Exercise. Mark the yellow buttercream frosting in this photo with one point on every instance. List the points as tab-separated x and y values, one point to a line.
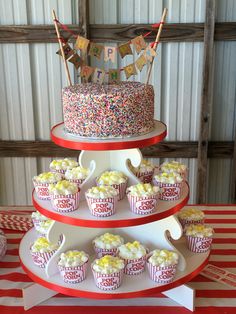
63	187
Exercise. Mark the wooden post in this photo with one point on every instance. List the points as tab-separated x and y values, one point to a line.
83	6
206	102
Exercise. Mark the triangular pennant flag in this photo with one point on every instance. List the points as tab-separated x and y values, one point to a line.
68	51
140	62
95	50
81	44
139	43
114	75
109	54
86	72
130	70
124	50
98	76
76	60
149	53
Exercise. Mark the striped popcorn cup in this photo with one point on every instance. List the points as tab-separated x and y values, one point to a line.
37	222
186	222
65	203
168	191
73	274
145	177
102	207
41	190
41	259
61	171
162	275
135	266
142	205
108	282
199	245
121	188
77	181
102	252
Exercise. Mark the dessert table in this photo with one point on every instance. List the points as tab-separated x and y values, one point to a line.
211	296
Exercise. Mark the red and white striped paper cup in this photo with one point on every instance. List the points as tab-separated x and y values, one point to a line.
102	252
145	177
186	222
199	245
77	181
134	266
3	244
60	171
168	191
73	274
121	188
42	190
108	282
102	207
65	203
142	205
162	275
41	259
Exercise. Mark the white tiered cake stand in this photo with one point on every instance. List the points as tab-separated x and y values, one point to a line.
79	228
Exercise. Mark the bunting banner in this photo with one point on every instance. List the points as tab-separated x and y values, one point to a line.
114	76
139	43
68	51
86	72
76	60
109	53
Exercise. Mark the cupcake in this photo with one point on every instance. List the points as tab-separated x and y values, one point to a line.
144	171
42	181
117	179
188	216
199	237
61	165
142	198
170	185
162	265
64	196
107	244
41	251
3	244
72	266
42	229
102	200
37	219
174	166
134	255
108	272
77	175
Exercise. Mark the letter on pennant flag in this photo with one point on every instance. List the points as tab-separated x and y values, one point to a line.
95	50
130	70
86	72
149	53
76	60
81	44
98	76
140	62
124	50
109	54
114	75
68	51
139	43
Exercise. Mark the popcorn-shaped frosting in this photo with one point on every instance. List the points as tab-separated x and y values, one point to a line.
47	177
73	258
173	166
112	177
199	231
63	164
44	226
102	191
63	187
145	166
191	214
77	173
171	178
37	215
41	245
143	189
133	250
108	241
163	258
108	264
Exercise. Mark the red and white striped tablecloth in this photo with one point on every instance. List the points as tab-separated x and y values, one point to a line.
211	297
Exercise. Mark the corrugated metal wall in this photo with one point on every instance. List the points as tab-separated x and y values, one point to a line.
32	78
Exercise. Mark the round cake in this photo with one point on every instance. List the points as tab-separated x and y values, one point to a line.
109	110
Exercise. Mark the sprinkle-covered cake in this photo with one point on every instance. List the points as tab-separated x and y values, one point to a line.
108	110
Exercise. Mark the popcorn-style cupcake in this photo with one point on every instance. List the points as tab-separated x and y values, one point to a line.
73	265
61	165
64	196
102	200
42	181
37	219
108	272
3	244
188	216
41	251
162	265
144	171
174	166
42	229
134	255
199	237
143	198
117	179
170	185
107	244
77	175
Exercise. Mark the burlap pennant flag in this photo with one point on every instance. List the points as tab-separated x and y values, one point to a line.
149	53
98	76
95	50
76	60
139	43
81	44
130	70
114	75
109	54
86	72
68	51
140	62
125	50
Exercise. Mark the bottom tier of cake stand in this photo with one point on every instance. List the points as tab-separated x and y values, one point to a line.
132	286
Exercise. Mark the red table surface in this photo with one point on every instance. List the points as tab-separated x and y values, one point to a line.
211	297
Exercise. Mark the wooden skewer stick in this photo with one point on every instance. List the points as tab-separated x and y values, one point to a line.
61	47
156	43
